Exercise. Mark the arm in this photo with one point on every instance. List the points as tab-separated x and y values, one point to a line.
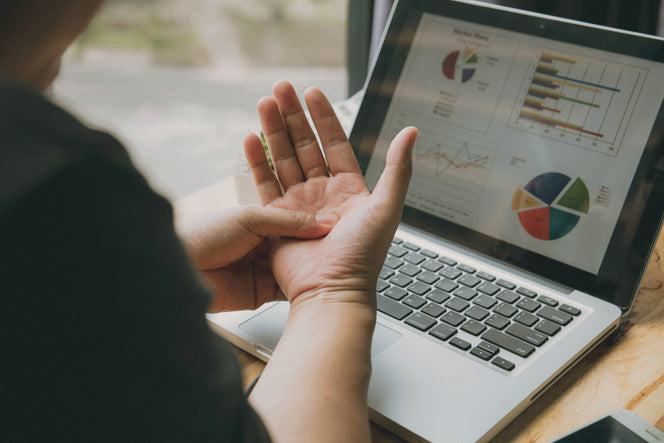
315	386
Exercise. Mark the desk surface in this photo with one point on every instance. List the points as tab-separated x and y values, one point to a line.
626	371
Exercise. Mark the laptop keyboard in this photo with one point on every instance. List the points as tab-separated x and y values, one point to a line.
439	296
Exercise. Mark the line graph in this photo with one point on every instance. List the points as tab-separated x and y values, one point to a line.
582	101
450	167
452	158
462	159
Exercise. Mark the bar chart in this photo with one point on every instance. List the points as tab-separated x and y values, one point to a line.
578	100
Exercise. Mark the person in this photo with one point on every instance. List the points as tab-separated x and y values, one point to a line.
104	336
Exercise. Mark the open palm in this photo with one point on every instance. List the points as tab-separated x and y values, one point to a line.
350	256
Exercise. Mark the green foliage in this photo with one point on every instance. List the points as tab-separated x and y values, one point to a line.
169	41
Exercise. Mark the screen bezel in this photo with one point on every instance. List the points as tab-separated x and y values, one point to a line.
641	217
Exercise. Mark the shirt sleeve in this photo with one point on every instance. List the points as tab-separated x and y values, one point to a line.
104	324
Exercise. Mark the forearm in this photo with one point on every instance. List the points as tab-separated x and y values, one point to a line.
315	385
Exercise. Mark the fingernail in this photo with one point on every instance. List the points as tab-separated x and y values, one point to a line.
326	219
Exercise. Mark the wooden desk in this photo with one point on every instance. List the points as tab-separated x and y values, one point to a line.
626	371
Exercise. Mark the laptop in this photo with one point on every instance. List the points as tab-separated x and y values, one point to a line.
536	199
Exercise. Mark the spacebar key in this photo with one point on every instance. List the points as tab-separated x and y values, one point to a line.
392	308
520	348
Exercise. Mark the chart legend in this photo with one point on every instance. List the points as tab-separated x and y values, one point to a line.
551	205
577	100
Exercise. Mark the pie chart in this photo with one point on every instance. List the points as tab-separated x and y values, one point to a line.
551	205
458	64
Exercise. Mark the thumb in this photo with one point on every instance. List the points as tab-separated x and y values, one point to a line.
218	238
392	186
278	222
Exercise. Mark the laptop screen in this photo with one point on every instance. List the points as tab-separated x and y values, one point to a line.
538	139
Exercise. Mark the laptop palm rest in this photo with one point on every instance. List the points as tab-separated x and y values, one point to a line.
266	329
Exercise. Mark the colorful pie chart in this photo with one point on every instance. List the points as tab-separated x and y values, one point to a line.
463	62
550	205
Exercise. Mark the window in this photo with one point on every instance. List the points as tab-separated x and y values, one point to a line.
178	80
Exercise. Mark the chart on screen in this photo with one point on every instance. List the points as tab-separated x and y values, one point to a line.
551	205
581	101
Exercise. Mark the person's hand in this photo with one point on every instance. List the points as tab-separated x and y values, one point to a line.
230	249
346	261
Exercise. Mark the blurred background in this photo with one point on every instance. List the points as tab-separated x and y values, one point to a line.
177	81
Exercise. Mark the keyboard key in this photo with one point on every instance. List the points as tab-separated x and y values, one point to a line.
570	310
411	246
438	296
453	318
450	273
456	304
442	331
477	313
526	334
397	240
503	364
401	280
526	318
433	310
392	262
419	288
428	277
497	321
514	345
414	301
381	285
465	293
466	268
549	328
506	284
385	273
446	285
473	327
396	293
392	308
488	347
488	288
485	301
410	270
461	344
485	276
526	292
554	315
432	265
414	258
428	253
528	305
420	321
469	280
547	300
397	251
508	297
505	310
481	353
448	261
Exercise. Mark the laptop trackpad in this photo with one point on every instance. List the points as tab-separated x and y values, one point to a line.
268	326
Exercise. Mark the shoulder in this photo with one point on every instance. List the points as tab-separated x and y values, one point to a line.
39	140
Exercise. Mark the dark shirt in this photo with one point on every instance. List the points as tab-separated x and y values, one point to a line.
102	318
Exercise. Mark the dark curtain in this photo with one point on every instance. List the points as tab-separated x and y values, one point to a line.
633	15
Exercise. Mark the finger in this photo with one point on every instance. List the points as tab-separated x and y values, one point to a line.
300	133
392	185
266	183
338	152
217	238
278	222
283	155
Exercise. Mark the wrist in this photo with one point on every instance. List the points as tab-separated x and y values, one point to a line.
355	306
